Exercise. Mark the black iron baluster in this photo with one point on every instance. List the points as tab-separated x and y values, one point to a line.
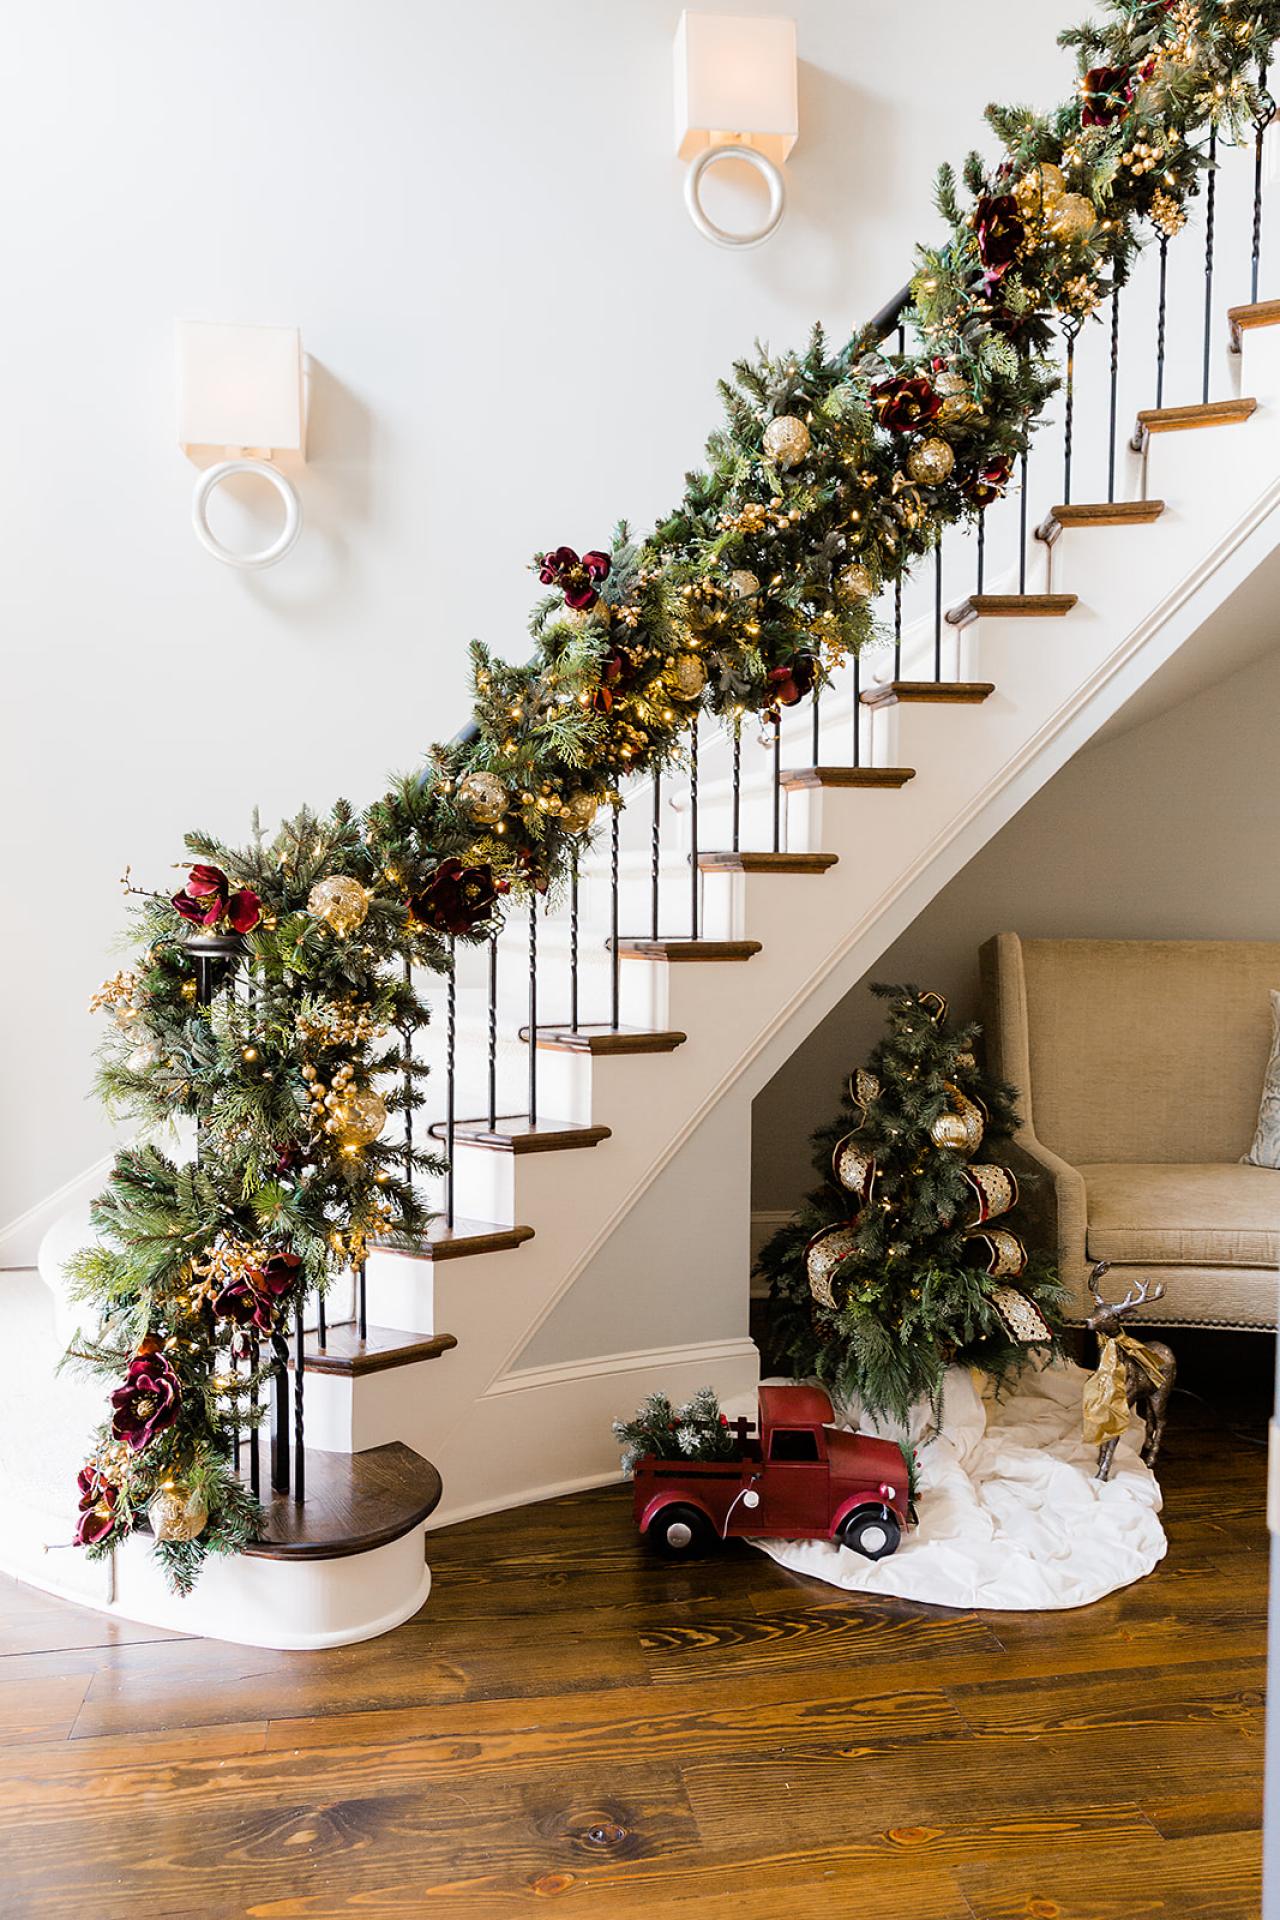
982	546
322	1329
533	1008
615	958
655	851
493	1031
1210	194
1161	314
1022	529
1260	126
279	1413
408	1085
1115	390
1070	328
857	710
777	781
737	779
450	1074
573	943
815	726
937	611
299	1451
233	1367
694	875
897	628
255	1450
362	1300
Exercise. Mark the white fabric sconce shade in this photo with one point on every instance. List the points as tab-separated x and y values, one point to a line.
241	389
736	96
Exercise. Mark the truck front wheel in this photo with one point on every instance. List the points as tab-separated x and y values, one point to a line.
871	1531
679	1532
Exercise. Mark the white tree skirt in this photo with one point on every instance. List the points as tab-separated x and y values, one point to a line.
1010	1513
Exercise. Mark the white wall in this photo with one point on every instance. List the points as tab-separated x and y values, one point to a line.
474	214
1169	831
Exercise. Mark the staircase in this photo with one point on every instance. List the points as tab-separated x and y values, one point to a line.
594	1238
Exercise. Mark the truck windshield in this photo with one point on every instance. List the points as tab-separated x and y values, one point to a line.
794	1443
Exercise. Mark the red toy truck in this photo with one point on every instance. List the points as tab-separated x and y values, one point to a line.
801	1479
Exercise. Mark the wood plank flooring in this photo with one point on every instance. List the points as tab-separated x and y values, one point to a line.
570	1719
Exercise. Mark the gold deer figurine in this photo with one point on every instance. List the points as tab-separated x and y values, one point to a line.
1133	1375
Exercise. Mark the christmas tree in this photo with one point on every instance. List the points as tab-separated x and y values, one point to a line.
892	1270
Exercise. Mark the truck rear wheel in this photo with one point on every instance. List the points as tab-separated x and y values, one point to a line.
680	1532
871	1531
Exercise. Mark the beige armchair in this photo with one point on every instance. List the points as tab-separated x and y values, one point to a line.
1139	1067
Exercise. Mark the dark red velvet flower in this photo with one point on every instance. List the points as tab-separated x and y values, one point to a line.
455	898
1105	93
790	683
254	1300
615	674
902	405
97	1507
1000	231
147	1403
576	577
988	482
207	898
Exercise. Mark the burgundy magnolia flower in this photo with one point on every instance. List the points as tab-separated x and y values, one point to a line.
614	676
902	405
455	898
147	1403
987	483
791	682
1000	231
252	1302
1105	93
207	898
97	1507
576	577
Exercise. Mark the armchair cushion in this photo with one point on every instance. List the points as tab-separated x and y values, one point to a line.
1198	1214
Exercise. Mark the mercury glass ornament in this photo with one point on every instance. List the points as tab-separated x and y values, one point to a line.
854	582
950	382
686	676
786	440
176	1513
961	1129
483	798
361	1119
339	901
930	462
578	812
1073	217
742	584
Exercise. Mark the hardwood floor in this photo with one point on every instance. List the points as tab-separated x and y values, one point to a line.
569	1717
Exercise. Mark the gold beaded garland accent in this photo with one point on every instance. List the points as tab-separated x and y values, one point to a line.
930	462
854	582
1167	216
176	1512
742	584
360	1118
578	812
1073	217
339	901
686	676
786	440
483	798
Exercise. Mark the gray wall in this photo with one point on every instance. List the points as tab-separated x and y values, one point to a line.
1170	830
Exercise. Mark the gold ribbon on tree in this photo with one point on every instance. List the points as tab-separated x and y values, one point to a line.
1106	1391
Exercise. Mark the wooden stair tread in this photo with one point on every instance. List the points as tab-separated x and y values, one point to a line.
1254	313
742	862
354	1502
344	1352
516	1133
460	1241
599	1037
686	950
1205	413
1010	606
959	693
1098	513
847	776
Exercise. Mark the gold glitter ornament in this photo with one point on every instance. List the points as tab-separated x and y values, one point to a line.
483	798
578	812
1072	218
686	676
1040	190
961	1129
742	584
360	1118
854	582
930	462
786	440
956	410
176	1512
339	901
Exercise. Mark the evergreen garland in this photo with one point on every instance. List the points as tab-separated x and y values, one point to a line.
824	485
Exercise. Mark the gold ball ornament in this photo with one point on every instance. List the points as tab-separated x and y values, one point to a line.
686	676
361	1119
956	410
176	1513
1073	217
742	584
950	383
1040	190
339	901
483	798
960	1129
854	582
930	462
786	440
578	812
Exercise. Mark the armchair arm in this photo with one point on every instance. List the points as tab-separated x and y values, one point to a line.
1052	1203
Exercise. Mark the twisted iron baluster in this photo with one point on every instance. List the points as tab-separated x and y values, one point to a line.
279	1413
655	851
1115	390
533	1009
615	961
737	779
1161	313
299	1449
407	1060
1070	328
493	1031
777	782
693	830
897	628
1261	123
1209	198
450	1073
255	1450
1022	530
982	546
937	611
573	944
857	710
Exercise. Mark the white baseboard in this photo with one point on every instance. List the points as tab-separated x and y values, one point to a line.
20	1240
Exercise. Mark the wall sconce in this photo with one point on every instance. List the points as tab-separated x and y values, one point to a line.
735	97
241	389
